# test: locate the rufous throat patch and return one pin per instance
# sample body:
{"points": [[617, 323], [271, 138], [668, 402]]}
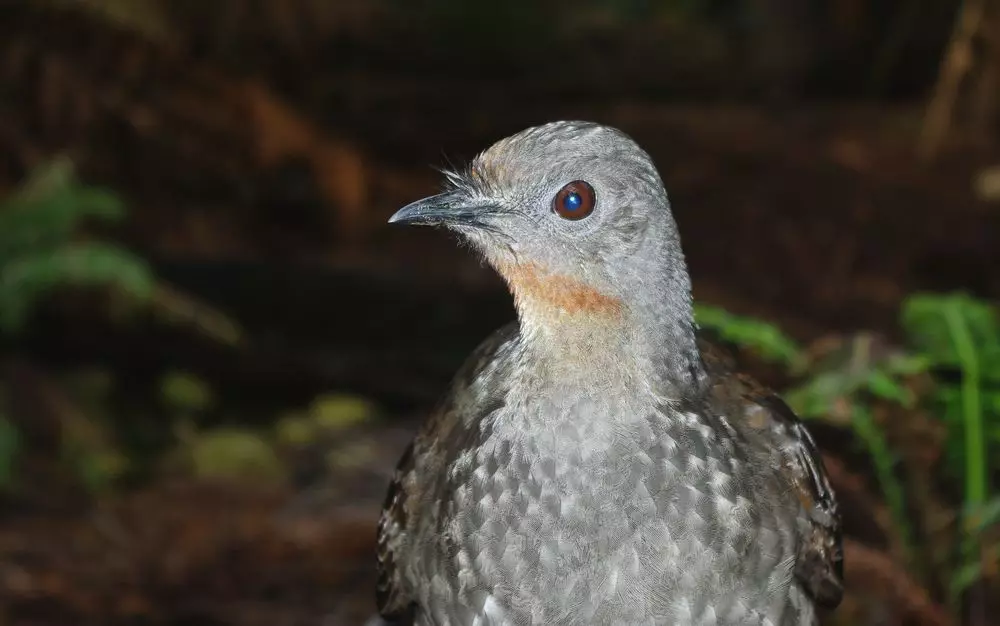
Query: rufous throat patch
{"points": [[534, 287]]}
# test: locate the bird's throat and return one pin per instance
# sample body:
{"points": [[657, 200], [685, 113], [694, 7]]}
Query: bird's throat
{"points": [[571, 325], [564, 320], [538, 292]]}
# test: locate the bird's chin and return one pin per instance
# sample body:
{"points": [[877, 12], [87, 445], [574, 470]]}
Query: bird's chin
{"points": [[494, 247]]}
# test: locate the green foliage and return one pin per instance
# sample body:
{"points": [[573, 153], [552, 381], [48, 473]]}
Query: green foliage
{"points": [[231, 453], [97, 464], [260, 454], [980, 519], [834, 393], [953, 338], [88, 444], [40, 251], [186, 393], [327, 415], [323, 423], [339, 411], [839, 394], [766, 340], [960, 332], [296, 429], [225, 453], [957, 331], [930, 322], [885, 459], [828, 391]]}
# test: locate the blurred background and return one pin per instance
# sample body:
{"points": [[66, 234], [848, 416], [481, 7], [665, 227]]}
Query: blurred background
{"points": [[213, 349]]}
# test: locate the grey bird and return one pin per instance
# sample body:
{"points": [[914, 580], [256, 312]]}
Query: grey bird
{"points": [[597, 462]]}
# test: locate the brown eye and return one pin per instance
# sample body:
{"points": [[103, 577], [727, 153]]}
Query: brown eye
{"points": [[575, 201]]}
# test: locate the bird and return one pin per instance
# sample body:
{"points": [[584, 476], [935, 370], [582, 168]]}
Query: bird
{"points": [[598, 460]]}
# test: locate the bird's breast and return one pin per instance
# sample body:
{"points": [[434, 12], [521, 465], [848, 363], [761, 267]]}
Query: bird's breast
{"points": [[593, 519]]}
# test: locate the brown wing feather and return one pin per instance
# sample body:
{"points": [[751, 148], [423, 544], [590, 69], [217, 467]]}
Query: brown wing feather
{"points": [[393, 604], [819, 567]]}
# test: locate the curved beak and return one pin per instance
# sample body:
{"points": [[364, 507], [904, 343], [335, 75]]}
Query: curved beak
{"points": [[452, 208]]}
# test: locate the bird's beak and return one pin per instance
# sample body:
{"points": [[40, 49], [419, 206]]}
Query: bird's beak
{"points": [[452, 208]]}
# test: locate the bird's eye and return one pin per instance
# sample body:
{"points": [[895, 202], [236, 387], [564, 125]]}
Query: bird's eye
{"points": [[575, 201]]}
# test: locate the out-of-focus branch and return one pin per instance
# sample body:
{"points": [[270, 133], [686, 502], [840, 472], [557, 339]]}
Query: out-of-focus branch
{"points": [[955, 66]]}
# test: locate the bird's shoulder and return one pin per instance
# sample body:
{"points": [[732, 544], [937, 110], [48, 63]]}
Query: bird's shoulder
{"points": [[763, 417], [476, 386], [452, 421]]}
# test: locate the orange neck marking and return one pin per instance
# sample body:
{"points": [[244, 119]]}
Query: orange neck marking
{"points": [[534, 287]]}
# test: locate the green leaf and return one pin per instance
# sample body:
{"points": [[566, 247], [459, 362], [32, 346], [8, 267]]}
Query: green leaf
{"points": [[333, 412], [957, 330], [814, 398], [45, 212], [186, 392], [986, 515], [965, 576], [234, 453], [884, 460], [763, 338], [906, 364], [24, 280], [925, 318], [99, 470], [86, 448], [970, 572], [884, 386], [819, 395], [295, 429]]}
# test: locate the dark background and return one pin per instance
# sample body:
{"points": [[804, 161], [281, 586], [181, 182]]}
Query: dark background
{"points": [[820, 165]]}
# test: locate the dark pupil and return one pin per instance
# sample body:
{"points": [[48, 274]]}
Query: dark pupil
{"points": [[572, 201]]}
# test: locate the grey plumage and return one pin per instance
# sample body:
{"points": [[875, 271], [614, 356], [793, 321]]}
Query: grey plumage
{"points": [[597, 462]]}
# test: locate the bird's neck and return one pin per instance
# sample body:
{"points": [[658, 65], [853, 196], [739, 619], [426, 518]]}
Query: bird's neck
{"points": [[577, 331]]}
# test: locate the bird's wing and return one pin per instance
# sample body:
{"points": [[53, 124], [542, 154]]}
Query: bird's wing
{"points": [[394, 603], [820, 564], [449, 422], [819, 568]]}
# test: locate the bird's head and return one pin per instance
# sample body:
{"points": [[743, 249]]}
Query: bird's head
{"points": [[574, 216]]}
